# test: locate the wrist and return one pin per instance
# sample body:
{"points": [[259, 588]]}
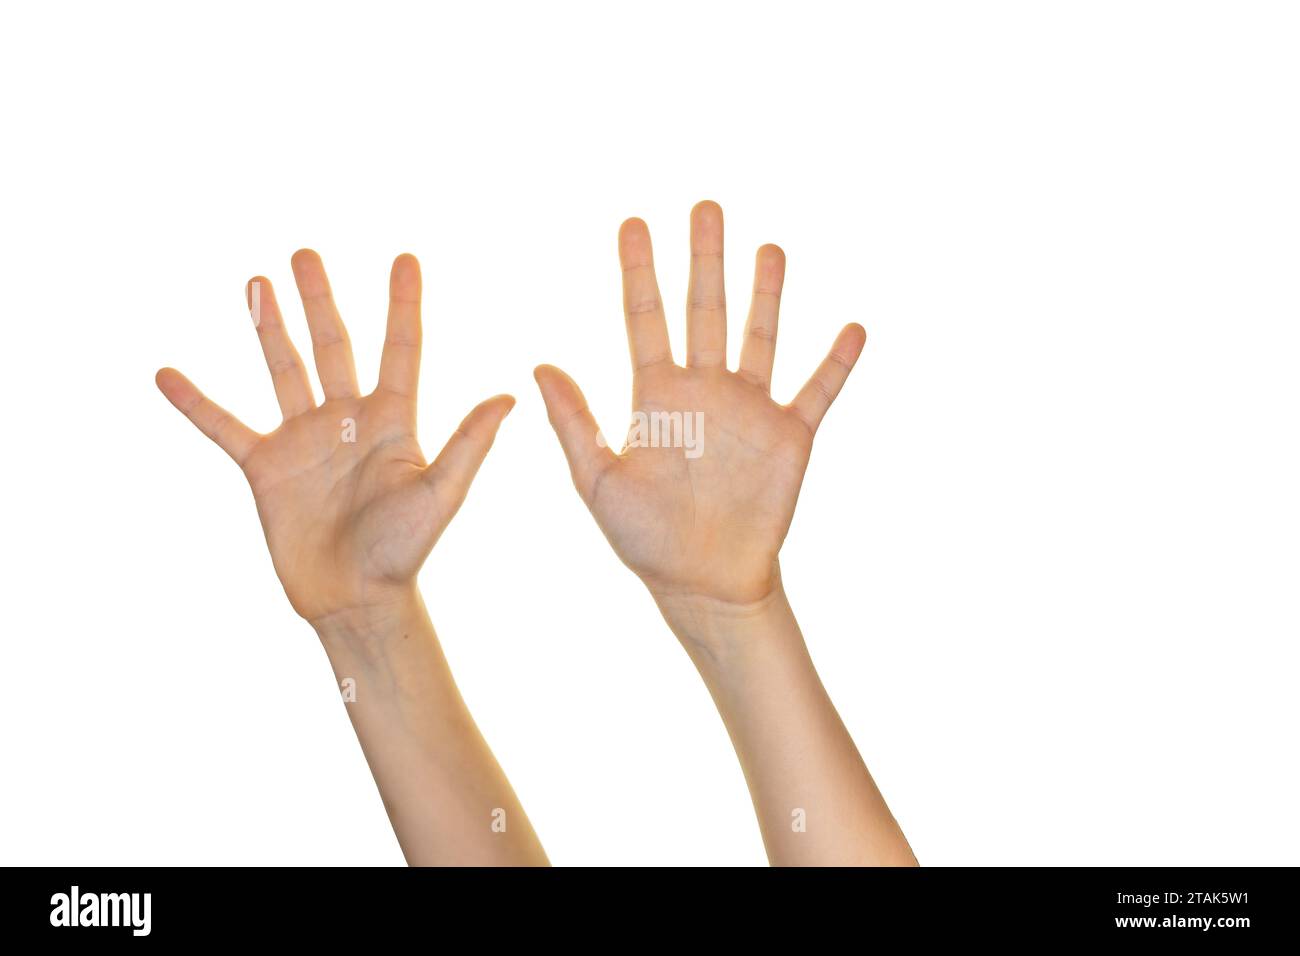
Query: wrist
{"points": [[370, 628], [719, 634]]}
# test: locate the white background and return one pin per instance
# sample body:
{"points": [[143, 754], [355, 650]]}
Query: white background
{"points": [[1046, 552]]}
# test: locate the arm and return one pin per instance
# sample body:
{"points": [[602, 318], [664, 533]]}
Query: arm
{"points": [[448, 800], [701, 521], [351, 509], [816, 803]]}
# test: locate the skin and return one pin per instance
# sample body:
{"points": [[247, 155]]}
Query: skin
{"points": [[704, 534], [351, 509]]}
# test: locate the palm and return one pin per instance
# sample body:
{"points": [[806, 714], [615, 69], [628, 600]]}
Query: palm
{"points": [[712, 524], [340, 512], [349, 507]]}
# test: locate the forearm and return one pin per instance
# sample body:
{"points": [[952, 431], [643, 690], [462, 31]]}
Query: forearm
{"points": [[448, 800], [815, 799]]}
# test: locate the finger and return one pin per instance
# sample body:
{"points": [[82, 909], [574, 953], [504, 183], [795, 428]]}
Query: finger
{"points": [[458, 462], [399, 368], [234, 437], [288, 375], [329, 339], [647, 332], [706, 295], [816, 396], [758, 350], [579, 435]]}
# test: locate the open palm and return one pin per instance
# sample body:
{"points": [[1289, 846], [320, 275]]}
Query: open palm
{"points": [[709, 523], [348, 504]]}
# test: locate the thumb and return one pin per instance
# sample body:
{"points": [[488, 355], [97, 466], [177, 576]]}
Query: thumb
{"points": [[576, 428], [459, 460]]}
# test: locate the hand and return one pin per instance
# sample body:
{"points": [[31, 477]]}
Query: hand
{"points": [[703, 522], [348, 504]]}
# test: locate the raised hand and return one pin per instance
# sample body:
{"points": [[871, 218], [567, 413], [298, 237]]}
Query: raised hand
{"points": [[351, 510], [706, 521], [700, 513], [349, 505]]}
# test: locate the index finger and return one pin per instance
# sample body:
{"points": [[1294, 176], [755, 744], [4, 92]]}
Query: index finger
{"points": [[647, 331], [399, 368]]}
